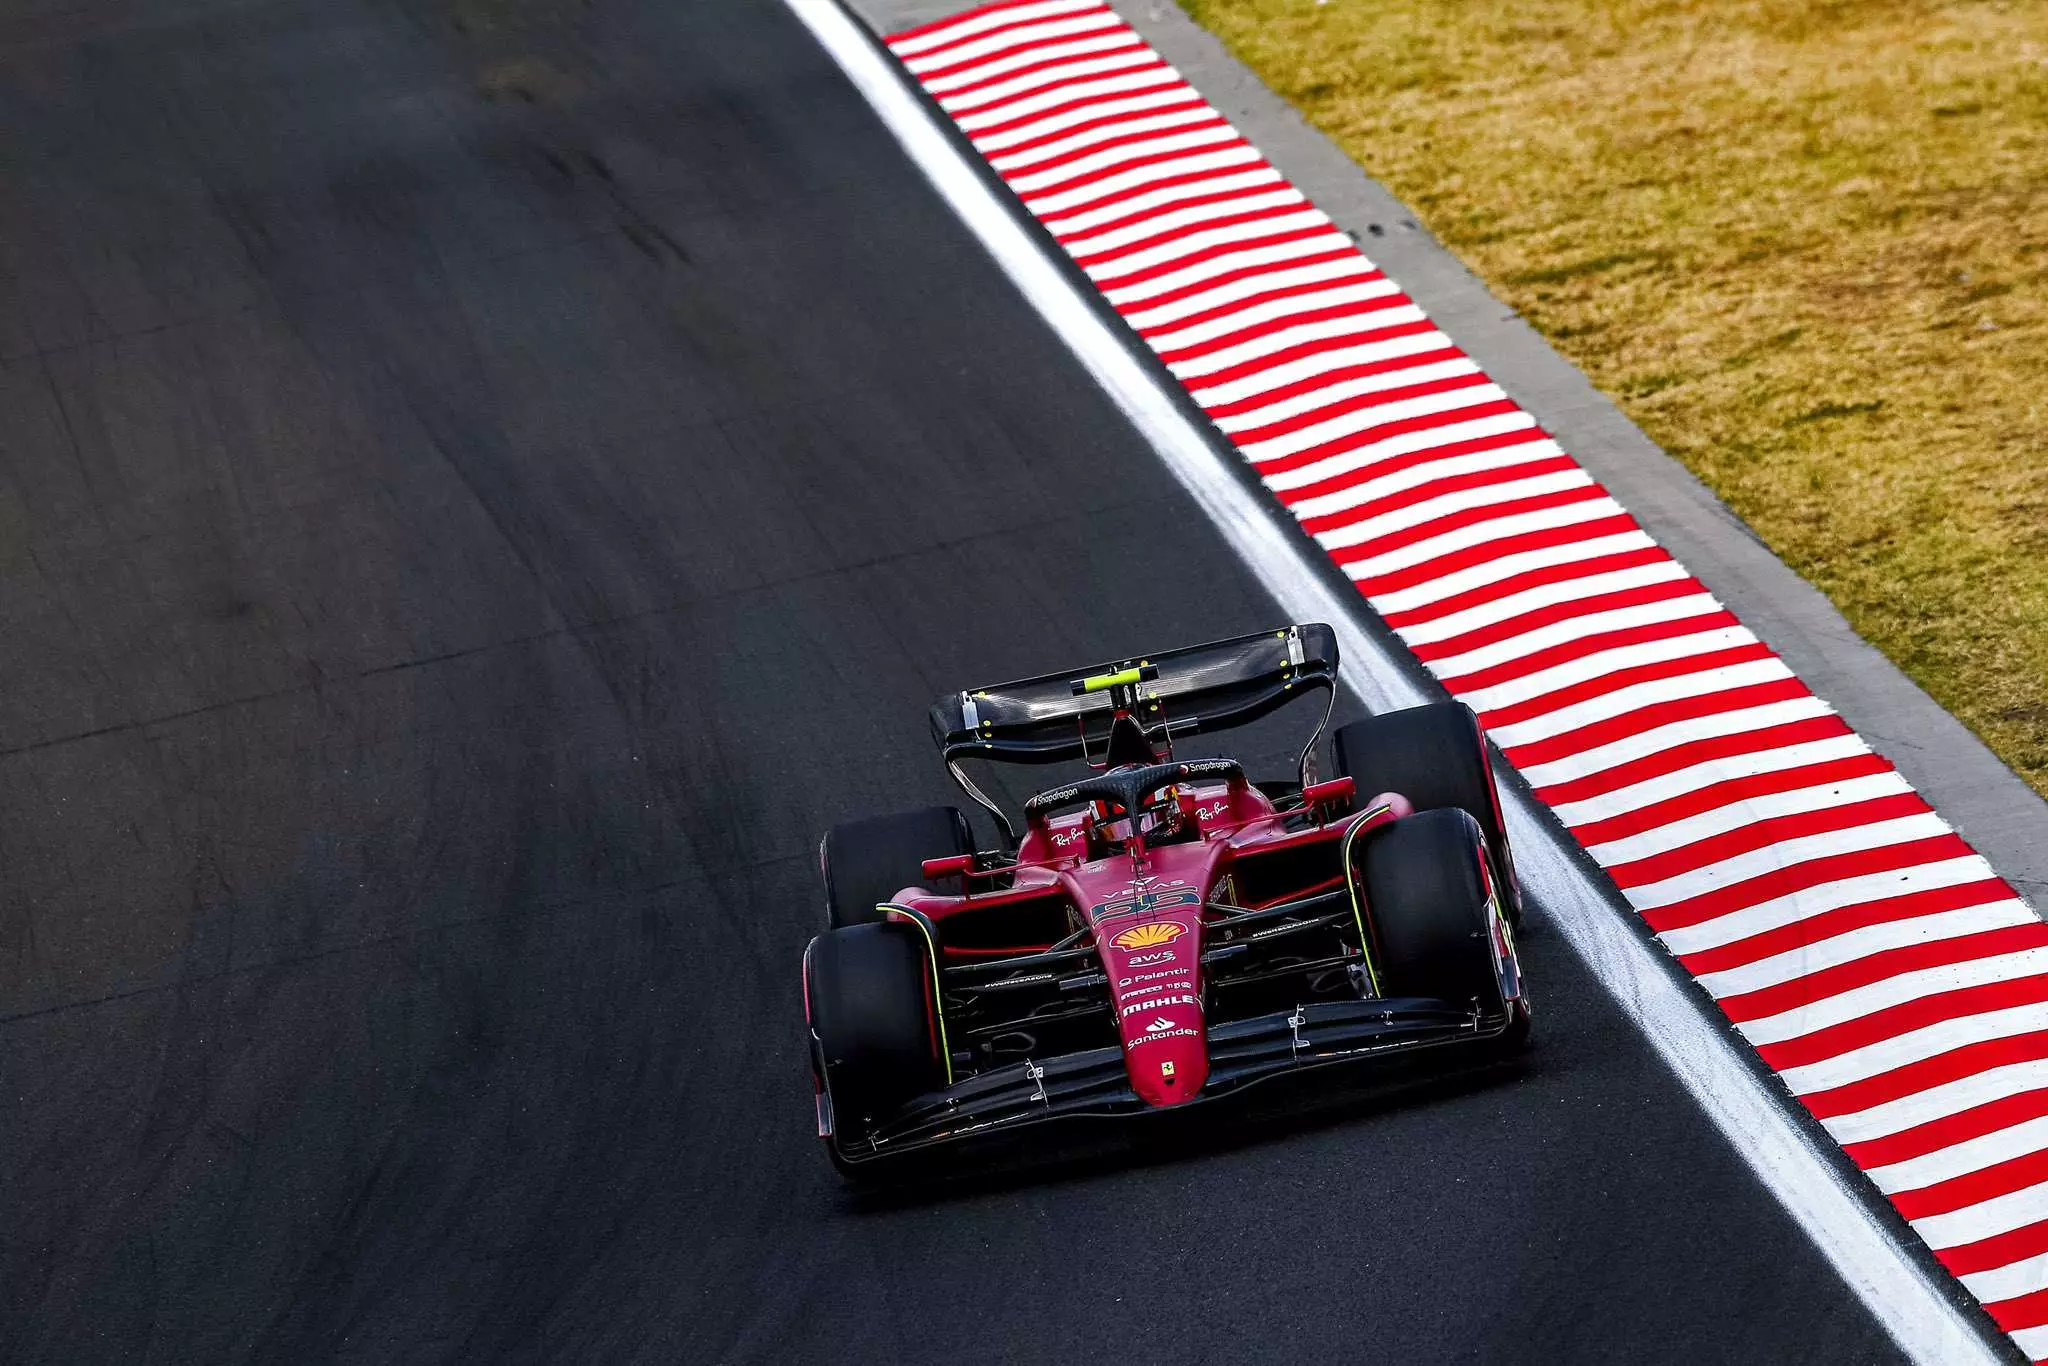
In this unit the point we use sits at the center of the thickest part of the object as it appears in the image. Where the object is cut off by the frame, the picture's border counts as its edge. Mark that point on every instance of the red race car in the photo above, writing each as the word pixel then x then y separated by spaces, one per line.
pixel 1164 931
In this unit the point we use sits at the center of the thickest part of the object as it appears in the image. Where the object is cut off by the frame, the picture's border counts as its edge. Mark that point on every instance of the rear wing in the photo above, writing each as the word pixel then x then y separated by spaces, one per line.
pixel 1193 690
pixel 1198 689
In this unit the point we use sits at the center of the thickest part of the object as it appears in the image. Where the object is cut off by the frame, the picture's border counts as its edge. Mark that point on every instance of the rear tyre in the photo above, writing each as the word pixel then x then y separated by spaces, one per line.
pixel 1434 933
pixel 1435 756
pixel 866 862
pixel 868 992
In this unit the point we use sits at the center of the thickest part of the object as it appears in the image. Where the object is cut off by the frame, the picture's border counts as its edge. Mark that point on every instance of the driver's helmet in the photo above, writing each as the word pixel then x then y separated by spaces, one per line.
pixel 1115 829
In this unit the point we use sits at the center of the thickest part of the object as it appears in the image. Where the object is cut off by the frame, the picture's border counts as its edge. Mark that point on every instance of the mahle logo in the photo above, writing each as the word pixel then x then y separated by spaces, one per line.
pixel 1150 936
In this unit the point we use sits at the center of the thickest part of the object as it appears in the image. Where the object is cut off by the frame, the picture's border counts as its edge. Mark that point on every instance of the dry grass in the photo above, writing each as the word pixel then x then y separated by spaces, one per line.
pixel 1804 245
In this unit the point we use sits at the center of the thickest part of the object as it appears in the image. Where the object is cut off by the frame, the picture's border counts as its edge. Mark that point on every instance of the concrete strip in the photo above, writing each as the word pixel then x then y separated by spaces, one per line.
pixel 1986 801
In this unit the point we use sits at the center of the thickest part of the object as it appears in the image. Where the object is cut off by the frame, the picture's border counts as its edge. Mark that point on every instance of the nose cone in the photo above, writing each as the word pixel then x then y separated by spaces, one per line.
pixel 1170 1066
pixel 1155 973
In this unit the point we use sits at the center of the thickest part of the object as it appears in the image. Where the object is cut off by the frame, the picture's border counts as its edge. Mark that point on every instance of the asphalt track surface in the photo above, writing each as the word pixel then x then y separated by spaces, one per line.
pixel 482 484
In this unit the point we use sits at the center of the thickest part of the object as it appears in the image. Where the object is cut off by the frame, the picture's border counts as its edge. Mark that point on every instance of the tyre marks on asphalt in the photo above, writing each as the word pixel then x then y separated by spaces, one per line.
pixel 1893 981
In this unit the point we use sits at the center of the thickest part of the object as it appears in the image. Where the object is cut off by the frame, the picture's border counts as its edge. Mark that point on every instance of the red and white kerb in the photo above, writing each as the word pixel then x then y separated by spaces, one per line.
pixel 1896 985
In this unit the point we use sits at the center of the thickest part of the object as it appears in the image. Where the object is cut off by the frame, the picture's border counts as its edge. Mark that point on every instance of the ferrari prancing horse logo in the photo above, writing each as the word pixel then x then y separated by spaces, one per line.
pixel 1150 936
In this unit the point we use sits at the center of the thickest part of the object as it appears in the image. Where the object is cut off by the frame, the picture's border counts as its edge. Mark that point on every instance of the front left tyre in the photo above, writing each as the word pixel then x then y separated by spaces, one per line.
pixel 874 1026
pixel 1438 930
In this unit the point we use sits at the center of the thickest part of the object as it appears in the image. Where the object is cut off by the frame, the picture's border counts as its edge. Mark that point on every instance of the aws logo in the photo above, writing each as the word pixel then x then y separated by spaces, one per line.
pixel 1150 936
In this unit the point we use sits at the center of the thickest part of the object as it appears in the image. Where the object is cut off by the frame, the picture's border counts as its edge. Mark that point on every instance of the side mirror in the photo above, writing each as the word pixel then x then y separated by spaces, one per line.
pixel 956 865
pixel 1337 791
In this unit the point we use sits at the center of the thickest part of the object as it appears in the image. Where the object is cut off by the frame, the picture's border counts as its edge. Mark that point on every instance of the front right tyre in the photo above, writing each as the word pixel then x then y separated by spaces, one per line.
pixel 875 1039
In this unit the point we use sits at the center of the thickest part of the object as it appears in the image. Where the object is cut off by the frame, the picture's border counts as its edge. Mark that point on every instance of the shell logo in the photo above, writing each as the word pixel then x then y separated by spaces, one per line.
pixel 1150 936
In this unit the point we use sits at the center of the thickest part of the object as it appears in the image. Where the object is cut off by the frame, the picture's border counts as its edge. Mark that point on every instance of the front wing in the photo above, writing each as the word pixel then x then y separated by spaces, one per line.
pixel 1096 1083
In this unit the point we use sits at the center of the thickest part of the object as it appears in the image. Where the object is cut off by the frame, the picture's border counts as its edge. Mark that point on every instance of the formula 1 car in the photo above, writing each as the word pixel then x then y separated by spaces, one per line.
pixel 1162 932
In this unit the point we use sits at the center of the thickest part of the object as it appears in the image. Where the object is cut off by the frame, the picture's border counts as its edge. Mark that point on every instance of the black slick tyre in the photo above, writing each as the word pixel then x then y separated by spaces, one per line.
pixel 874 1027
pixel 1433 931
pixel 1435 756
pixel 866 862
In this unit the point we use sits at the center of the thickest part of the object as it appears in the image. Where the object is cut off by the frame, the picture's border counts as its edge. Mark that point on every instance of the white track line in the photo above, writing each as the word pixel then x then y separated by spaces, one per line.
pixel 1891 1284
